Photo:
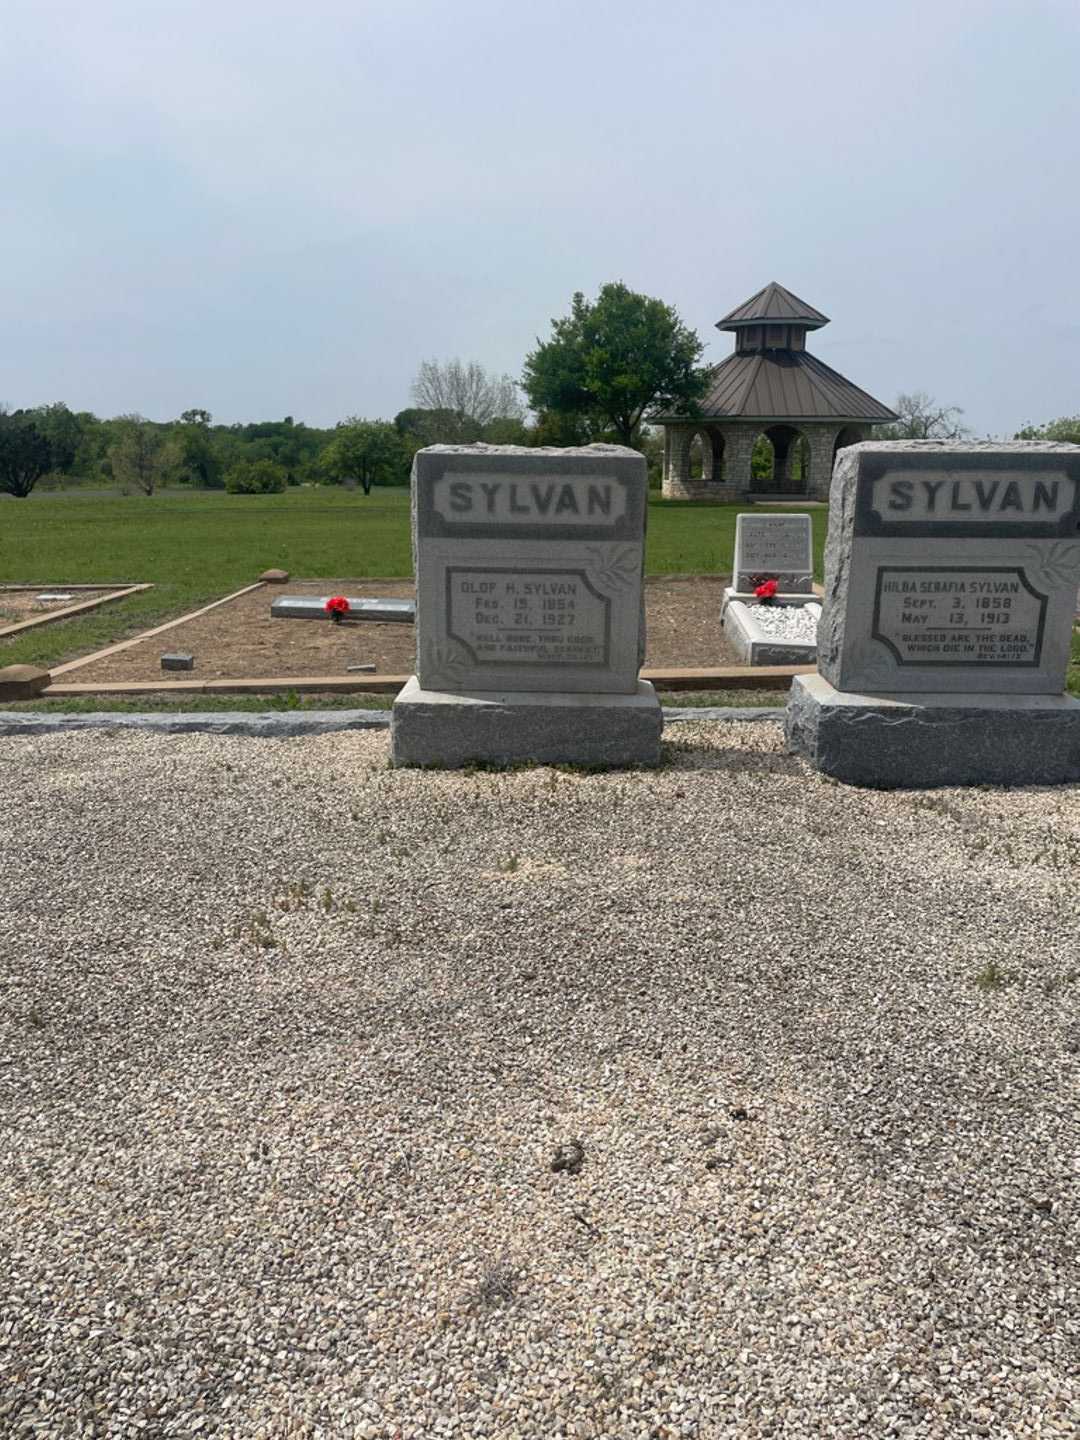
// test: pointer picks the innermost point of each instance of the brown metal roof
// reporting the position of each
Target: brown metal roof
(785, 385)
(776, 305)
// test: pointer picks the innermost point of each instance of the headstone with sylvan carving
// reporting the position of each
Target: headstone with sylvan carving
(950, 581)
(529, 613)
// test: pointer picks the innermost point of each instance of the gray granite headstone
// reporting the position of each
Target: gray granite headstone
(529, 609)
(951, 567)
(774, 547)
(529, 567)
(950, 581)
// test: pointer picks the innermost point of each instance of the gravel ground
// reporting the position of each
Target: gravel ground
(717, 1102)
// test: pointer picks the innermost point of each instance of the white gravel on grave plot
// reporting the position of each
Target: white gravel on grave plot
(788, 622)
(289, 1043)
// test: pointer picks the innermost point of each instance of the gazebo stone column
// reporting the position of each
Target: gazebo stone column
(676, 483)
(738, 453)
(822, 439)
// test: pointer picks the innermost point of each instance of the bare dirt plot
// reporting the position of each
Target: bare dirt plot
(240, 641)
(21, 604)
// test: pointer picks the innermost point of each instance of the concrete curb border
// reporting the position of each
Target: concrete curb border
(284, 725)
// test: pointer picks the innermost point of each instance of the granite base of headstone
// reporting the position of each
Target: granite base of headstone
(437, 728)
(529, 610)
(950, 577)
(902, 742)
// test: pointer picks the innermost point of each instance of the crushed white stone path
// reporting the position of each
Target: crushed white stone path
(290, 1043)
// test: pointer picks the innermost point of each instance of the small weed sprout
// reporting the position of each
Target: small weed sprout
(510, 864)
(258, 931)
(991, 978)
(498, 1283)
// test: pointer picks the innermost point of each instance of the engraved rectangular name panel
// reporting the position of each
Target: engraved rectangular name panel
(527, 617)
(945, 615)
(565, 502)
(989, 495)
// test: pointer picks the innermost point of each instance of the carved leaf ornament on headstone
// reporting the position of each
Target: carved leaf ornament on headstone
(612, 569)
(1059, 564)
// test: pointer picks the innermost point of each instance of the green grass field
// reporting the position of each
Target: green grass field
(197, 546)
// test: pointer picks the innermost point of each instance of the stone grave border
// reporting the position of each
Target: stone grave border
(116, 592)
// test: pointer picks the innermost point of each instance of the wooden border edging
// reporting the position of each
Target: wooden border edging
(149, 634)
(728, 677)
(68, 610)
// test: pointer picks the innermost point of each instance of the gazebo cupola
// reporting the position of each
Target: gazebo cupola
(771, 387)
(773, 319)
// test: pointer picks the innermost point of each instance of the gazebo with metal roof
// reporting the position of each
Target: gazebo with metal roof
(771, 385)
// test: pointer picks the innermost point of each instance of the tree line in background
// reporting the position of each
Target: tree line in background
(606, 367)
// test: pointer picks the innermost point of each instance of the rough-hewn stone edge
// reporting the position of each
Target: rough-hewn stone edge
(929, 740)
(275, 725)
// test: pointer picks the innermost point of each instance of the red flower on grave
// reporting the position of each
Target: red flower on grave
(766, 590)
(337, 607)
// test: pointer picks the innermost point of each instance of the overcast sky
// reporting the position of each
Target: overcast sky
(280, 208)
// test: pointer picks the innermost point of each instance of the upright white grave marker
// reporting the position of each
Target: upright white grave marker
(774, 547)
(530, 629)
(951, 574)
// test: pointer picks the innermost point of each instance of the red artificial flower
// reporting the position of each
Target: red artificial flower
(766, 590)
(336, 607)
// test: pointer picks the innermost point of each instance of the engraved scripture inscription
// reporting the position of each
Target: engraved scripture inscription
(950, 616)
(528, 617)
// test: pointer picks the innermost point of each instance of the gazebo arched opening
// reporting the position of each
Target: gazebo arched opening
(762, 462)
(791, 459)
(696, 459)
(849, 435)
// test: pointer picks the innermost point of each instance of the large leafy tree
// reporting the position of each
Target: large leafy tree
(142, 456)
(64, 432)
(370, 451)
(418, 426)
(198, 455)
(1065, 428)
(613, 359)
(25, 453)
